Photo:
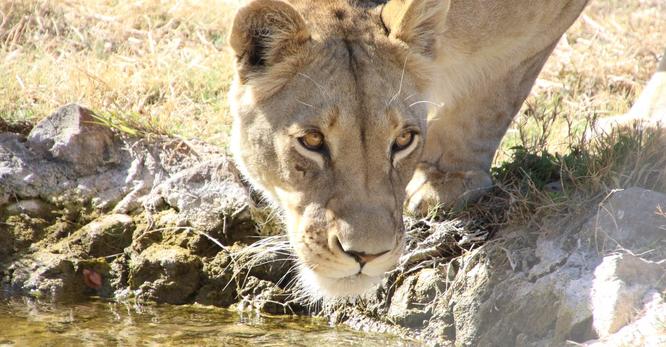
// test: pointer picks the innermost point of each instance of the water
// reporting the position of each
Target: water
(25, 322)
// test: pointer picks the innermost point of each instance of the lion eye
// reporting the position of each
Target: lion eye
(313, 140)
(403, 140)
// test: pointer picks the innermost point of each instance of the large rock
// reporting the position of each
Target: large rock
(73, 135)
(105, 236)
(208, 196)
(265, 296)
(46, 275)
(55, 277)
(165, 274)
(620, 284)
(592, 280)
(632, 219)
(220, 287)
(31, 207)
(268, 261)
(70, 160)
(646, 329)
(413, 301)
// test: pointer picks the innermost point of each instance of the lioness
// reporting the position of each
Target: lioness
(345, 110)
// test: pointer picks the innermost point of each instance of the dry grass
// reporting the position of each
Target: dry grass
(161, 64)
(533, 185)
(598, 69)
(164, 65)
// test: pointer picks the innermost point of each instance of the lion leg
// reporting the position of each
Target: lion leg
(463, 136)
(649, 110)
(651, 104)
(432, 186)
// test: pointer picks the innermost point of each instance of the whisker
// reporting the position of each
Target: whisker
(402, 78)
(304, 103)
(321, 88)
(427, 102)
(287, 273)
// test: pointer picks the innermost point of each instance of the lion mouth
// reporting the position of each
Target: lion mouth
(347, 277)
(322, 287)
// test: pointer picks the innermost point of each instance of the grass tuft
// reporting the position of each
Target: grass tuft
(535, 183)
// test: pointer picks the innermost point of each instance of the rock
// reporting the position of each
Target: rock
(217, 269)
(217, 294)
(105, 236)
(209, 196)
(551, 253)
(80, 190)
(7, 242)
(20, 232)
(166, 274)
(537, 287)
(219, 288)
(402, 310)
(31, 207)
(266, 265)
(47, 276)
(431, 283)
(119, 273)
(72, 134)
(33, 174)
(631, 220)
(620, 283)
(647, 329)
(68, 159)
(413, 301)
(265, 296)
(574, 316)
(55, 277)
(16, 172)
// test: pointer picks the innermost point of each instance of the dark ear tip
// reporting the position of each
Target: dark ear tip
(264, 31)
(259, 15)
(416, 22)
(240, 33)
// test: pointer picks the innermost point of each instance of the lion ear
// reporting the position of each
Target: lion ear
(418, 23)
(264, 32)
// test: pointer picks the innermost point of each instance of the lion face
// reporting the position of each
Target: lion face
(329, 123)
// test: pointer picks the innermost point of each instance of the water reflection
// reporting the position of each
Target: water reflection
(26, 322)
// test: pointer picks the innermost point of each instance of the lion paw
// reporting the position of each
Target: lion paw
(430, 187)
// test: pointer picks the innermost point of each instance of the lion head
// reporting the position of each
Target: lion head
(329, 122)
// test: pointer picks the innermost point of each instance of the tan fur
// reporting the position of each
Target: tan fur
(455, 72)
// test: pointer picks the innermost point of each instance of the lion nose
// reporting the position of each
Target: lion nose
(363, 258)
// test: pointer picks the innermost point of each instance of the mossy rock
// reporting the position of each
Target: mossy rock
(168, 274)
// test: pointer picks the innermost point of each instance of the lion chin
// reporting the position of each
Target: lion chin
(322, 287)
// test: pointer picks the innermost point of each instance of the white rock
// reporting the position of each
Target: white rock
(620, 282)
